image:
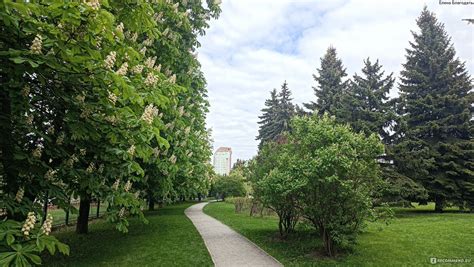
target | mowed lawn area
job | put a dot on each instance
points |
(411, 239)
(169, 239)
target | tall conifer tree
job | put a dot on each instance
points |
(369, 110)
(285, 110)
(276, 115)
(331, 85)
(436, 146)
(267, 119)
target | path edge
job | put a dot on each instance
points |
(248, 240)
(205, 243)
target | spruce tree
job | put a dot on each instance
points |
(331, 85)
(276, 116)
(369, 110)
(285, 110)
(436, 146)
(267, 119)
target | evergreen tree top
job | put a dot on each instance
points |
(330, 83)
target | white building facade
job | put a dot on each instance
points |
(222, 160)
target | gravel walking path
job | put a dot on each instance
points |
(227, 247)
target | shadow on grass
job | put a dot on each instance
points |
(167, 240)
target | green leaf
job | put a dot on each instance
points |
(40, 244)
(63, 248)
(51, 247)
(33, 64)
(6, 258)
(18, 60)
(21, 261)
(34, 258)
(10, 239)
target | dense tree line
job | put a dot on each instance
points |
(99, 100)
(426, 132)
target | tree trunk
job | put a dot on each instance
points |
(82, 226)
(45, 208)
(199, 197)
(98, 208)
(280, 227)
(151, 202)
(66, 220)
(328, 243)
(10, 183)
(439, 204)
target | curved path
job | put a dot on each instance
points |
(227, 247)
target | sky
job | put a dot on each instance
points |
(255, 46)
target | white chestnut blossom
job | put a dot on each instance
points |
(150, 62)
(112, 119)
(172, 79)
(143, 51)
(123, 69)
(80, 98)
(73, 159)
(131, 150)
(157, 68)
(112, 97)
(148, 42)
(165, 32)
(19, 194)
(137, 69)
(29, 223)
(156, 151)
(151, 79)
(120, 28)
(128, 186)
(91, 167)
(94, 4)
(122, 212)
(109, 61)
(150, 112)
(49, 175)
(29, 119)
(217, 2)
(173, 159)
(134, 37)
(82, 151)
(37, 152)
(36, 45)
(50, 129)
(48, 224)
(116, 184)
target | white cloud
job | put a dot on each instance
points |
(255, 45)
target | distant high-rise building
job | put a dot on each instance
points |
(222, 160)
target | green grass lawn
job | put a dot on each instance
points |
(169, 239)
(412, 238)
(59, 215)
